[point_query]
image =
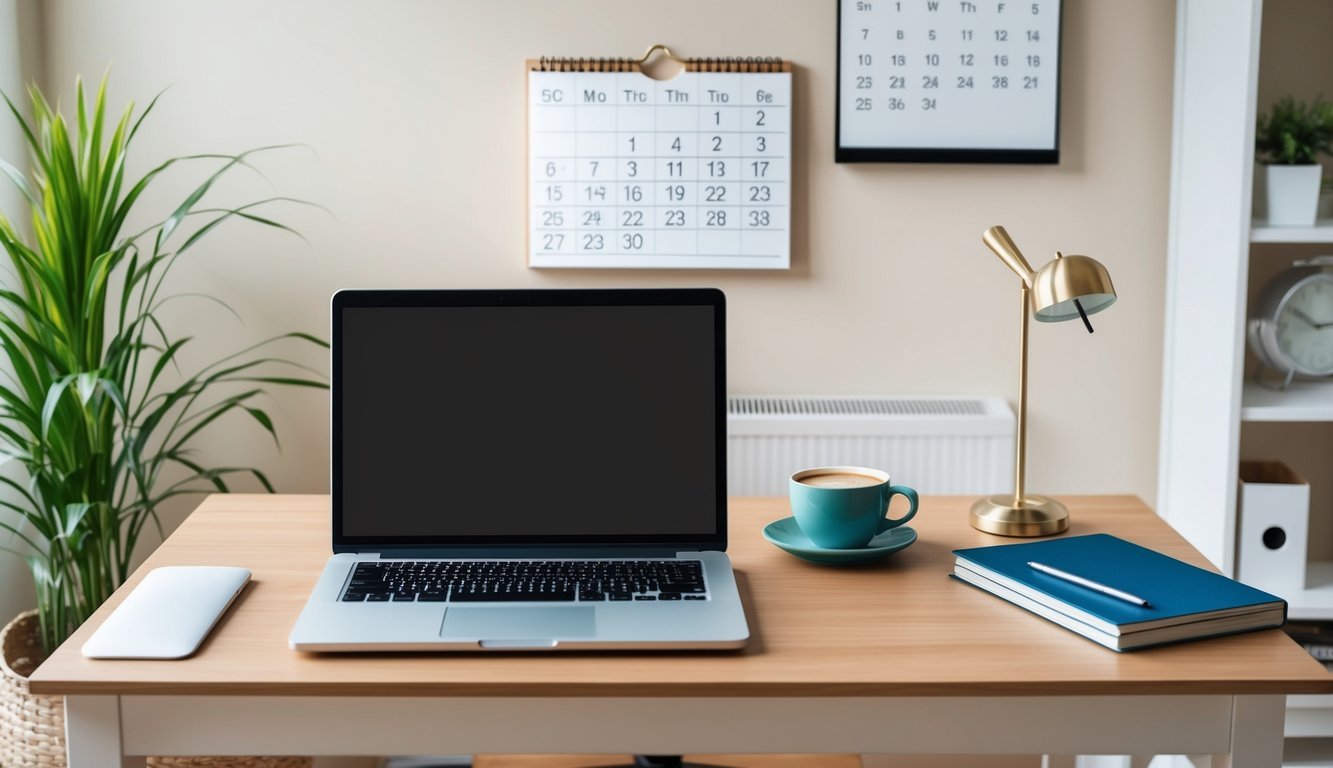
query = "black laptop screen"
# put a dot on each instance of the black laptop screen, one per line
(505, 418)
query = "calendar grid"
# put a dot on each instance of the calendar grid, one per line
(626, 171)
(948, 81)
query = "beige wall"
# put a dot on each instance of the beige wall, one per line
(19, 62)
(414, 114)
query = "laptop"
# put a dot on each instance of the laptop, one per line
(527, 470)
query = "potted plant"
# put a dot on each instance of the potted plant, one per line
(96, 416)
(1289, 139)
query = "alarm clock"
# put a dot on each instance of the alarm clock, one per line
(1291, 323)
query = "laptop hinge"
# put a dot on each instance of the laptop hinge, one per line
(528, 552)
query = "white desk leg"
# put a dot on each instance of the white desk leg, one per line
(92, 733)
(1256, 733)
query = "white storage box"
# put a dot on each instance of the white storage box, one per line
(1274, 511)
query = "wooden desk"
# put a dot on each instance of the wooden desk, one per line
(893, 657)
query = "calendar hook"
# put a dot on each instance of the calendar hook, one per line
(665, 51)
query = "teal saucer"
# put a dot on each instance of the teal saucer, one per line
(787, 536)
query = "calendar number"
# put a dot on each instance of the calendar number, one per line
(593, 243)
(716, 219)
(553, 219)
(1029, 82)
(761, 194)
(675, 218)
(715, 194)
(634, 194)
(759, 168)
(999, 82)
(632, 241)
(675, 192)
(552, 242)
(759, 218)
(632, 219)
(717, 168)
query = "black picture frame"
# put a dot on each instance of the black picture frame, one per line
(907, 154)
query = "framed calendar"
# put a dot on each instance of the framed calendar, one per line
(953, 81)
(627, 171)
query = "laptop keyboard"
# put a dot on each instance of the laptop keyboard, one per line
(476, 581)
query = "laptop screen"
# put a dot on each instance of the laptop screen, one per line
(505, 418)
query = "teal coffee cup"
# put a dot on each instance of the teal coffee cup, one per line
(845, 507)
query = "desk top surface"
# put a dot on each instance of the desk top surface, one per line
(899, 627)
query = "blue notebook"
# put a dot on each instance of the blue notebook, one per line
(1184, 602)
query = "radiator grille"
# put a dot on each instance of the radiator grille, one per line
(860, 406)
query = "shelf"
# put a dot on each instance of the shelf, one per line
(1315, 602)
(1302, 401)
(1321, 232)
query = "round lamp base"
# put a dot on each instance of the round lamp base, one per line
(1036, 516)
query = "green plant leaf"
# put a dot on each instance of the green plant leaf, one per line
(94, 407)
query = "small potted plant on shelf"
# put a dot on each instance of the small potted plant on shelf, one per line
(1289, 138)
(97, 415)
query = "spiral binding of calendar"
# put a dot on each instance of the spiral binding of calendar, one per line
(711, 64)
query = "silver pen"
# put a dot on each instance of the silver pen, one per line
(1089, 584)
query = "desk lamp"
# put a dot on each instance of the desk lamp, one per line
(1066, 288)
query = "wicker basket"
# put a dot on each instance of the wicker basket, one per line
(32, 728)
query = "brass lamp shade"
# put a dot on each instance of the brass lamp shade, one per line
(1068, 287)
(1057, 285)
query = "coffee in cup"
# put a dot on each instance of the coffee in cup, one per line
(845, 507)
(839, 480)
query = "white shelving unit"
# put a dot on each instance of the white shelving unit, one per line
(1204, 397)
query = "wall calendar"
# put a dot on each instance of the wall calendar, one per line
(627, 171)
(948, 81)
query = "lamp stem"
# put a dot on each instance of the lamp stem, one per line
(1020, 458)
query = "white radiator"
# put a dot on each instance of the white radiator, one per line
(962, 445)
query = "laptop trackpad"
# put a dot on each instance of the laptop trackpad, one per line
(529, 623)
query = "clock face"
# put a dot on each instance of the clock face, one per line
(1305, 325)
